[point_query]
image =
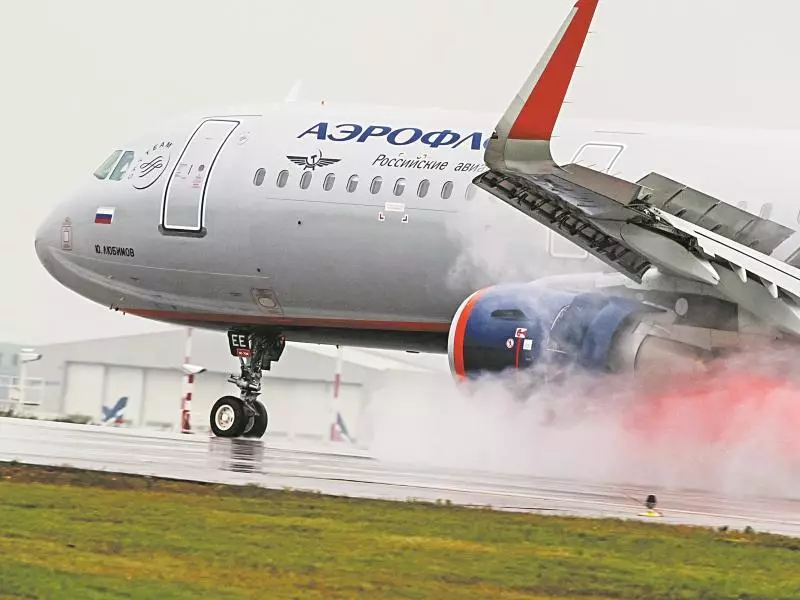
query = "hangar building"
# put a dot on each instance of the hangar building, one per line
(81, 378)
(9, 370)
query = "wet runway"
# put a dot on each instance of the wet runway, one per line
(338, 469)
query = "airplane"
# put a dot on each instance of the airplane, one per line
(339, 430)
(443, 231)
(115, 414)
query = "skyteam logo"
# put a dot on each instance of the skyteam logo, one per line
(398, 136)
(313, 161)
(151, 165)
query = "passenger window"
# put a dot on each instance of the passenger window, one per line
(327, 183)
(104, 169)
(447, 189)
(122, 166)
(766, 211)
(375, 186)
(742, 205)
(469, 193)
(283, 177)
(422, 190)
(352, 183)
(259, 177)
(305, 180)
(399, 186)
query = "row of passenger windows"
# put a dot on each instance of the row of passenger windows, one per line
(352, 183)
(400, 185)
(121, 165)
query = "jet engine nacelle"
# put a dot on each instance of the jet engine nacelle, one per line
(522, 326)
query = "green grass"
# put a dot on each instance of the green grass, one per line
(75, 534)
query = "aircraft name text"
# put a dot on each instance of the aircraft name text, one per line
(113, 250)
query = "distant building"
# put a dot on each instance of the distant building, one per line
(137, 381)
(9, 364)
(9, 370)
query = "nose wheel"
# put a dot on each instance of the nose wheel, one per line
(258, 426)
(246, 416)
(230, 418)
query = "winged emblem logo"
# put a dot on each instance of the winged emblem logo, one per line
(313, 161)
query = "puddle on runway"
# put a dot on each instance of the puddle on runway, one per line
(237, 455)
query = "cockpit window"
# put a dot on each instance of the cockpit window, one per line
(108, 164)
(122, 165)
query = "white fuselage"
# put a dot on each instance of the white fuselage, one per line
(269, 233)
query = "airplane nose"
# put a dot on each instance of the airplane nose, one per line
(53, 233)
(40, 241)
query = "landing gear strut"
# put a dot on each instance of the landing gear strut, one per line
(246, 416)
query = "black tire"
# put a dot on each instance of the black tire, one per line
(259, 427)
(228, 418)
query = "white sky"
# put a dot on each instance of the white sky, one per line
(79, 77)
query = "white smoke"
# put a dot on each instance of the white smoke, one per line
(732, 432)
(499, 245)
(736, 431)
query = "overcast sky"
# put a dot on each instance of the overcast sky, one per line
(80, 77)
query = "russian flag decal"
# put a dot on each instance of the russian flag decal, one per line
(104, 215)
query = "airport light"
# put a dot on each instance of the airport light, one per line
(25, 356)
(335, 433)
(189, 370)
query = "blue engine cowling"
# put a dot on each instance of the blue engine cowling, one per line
(521, 326)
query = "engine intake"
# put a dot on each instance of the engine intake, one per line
(523, 326)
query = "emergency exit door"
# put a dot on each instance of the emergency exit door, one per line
(183, 204)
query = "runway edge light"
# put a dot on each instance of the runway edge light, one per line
(650, 503)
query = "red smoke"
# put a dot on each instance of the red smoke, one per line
(721, 409)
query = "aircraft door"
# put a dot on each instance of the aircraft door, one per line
(183, 203)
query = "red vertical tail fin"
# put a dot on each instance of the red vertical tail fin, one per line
(522, 137)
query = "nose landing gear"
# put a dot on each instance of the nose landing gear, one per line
(246, 416)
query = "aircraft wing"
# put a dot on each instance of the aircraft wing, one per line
(654, 223)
